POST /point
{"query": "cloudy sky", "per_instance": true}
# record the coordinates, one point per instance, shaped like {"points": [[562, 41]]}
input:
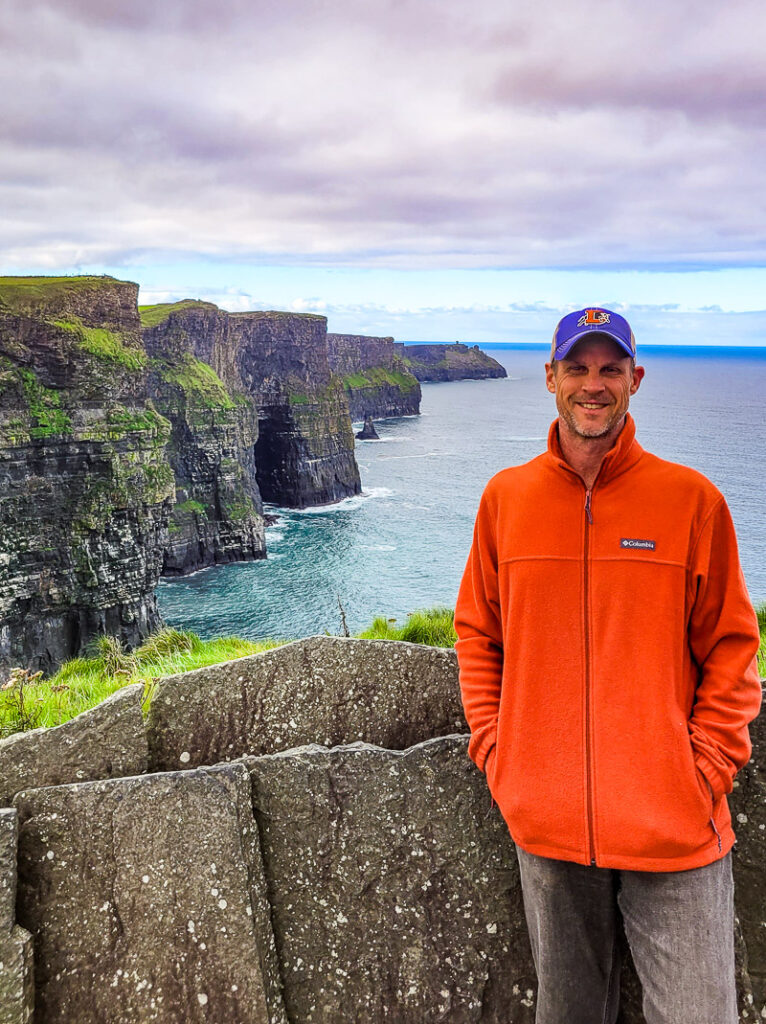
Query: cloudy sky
{"points": [[432, 170]]}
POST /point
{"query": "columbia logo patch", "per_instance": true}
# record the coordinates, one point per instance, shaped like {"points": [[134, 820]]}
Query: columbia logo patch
{"points": [[635, 542]]}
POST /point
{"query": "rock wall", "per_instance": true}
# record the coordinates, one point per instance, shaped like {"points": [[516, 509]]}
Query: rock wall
{"points": [[450, 362], [376, 378], [268, 404], [218, 513], [305, 450], [85, 483], [330, 882]]}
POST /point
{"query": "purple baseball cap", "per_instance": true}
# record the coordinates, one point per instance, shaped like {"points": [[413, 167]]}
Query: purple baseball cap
{"points": [[594, 320]]}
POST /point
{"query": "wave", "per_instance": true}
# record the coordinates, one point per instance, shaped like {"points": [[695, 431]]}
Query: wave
{"points": [[389, 440], [425, 455], [352, 502]]}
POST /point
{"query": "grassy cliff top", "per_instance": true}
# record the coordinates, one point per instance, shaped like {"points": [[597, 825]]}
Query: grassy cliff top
{"points": [[275, 314], [21, 292], [151, 316]]}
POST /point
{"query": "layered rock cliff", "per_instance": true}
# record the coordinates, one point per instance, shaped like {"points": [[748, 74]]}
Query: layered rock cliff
{"points": [[305, 450], [85, 486], [375, 376], [450, 362], [218, 513], [265, 378]]}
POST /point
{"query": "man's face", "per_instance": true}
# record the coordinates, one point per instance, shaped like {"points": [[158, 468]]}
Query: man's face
{"points": [[593, 385]]}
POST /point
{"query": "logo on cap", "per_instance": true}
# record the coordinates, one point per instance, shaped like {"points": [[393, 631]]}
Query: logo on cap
{"points": [[593, 317]]}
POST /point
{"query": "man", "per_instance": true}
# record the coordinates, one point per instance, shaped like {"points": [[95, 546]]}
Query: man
{"points": [[606, 646]]}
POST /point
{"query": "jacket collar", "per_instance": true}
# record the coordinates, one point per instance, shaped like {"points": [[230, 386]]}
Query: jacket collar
{"points": [[625, 453]]}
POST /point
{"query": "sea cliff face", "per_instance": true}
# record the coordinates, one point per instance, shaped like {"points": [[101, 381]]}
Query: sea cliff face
{"points": [[85, 484], [218, 513], [450, 362], [267, 379], [375, 376], [305, 450]]}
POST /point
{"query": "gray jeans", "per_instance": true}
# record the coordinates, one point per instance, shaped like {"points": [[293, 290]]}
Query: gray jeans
{"points": [[679, 925]]}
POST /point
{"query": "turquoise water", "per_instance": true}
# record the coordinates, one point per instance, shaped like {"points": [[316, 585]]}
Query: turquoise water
{"points": [[402, 544]]}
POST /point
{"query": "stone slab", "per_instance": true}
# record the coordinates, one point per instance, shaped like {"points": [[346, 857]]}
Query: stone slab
{"points": [[17, 994], [327, 690], [106, 742], [747, 803], [394, 886], [9, 834], [142, 898]]}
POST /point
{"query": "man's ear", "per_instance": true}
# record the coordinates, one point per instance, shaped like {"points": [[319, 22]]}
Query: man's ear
{"points": [[550, 378], [638, 376]]}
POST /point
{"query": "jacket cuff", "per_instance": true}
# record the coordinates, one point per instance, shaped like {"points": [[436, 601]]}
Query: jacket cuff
{"points": [[719, 784]]}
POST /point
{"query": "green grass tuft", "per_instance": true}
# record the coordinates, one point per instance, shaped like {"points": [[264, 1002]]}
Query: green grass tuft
{"points": [[105, 345], [431, 626], [199, 382], [82, 683]]}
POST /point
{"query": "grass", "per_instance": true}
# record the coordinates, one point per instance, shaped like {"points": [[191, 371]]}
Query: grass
{"points": [[28, 701], [45, 407], [376, 376], [82, 683], [199, 382], [431, 626], [103, 344], [152, 316], [22, 292]]}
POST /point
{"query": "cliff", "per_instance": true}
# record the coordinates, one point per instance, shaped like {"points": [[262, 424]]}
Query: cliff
{"points": [[218, 512], [375, 376], [305, 450], [86, 489], [450, 362], [133, 446], [262, 381]]}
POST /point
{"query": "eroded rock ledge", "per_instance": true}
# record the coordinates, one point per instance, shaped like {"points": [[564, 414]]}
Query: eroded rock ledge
{"points": [[342, 861]]}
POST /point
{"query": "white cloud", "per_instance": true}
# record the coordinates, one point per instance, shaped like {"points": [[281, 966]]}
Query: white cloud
{"points": [[407, 134]]}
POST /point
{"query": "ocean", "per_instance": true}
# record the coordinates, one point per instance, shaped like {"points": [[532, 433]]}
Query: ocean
{"points": [[402, 544]]}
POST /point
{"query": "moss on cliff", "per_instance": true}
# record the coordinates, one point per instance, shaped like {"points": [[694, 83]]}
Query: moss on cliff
{"points": [[47, 418], [152, 316], [377, 375], [104, 344], [199, 391]]}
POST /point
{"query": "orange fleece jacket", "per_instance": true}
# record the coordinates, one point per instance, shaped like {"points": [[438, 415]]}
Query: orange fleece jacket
{"points": [[606, 645]]}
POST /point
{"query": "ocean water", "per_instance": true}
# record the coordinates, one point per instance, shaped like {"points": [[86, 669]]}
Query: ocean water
{"points": [[402, 544]]}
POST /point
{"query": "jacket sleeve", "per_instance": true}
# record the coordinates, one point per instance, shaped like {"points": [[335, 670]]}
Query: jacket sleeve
{"points": [[480, 640], [724, 639]]}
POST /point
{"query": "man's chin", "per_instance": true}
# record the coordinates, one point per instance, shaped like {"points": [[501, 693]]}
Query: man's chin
{"points": [[591, 431]]}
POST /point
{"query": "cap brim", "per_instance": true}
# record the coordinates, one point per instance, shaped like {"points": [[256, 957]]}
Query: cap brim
{"points": [[566, 346]]}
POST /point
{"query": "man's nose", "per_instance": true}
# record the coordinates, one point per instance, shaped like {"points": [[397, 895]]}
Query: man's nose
{"points": [[593, 382]]}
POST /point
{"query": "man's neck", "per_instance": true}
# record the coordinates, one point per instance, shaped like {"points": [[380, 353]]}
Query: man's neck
{"points": [[585, 454]]}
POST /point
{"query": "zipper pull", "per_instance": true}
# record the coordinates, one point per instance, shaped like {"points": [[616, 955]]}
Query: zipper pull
{"points": [[587, 506]]}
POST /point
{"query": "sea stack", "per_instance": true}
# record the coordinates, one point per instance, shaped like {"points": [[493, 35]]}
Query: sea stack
{"points": [[368, 431]]}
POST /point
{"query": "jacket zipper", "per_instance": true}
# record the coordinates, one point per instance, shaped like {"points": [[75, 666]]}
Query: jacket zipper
{"points": [[586, 583]]}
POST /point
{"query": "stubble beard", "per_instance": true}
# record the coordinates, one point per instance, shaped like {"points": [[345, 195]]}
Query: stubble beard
{"points": [[611, 425]]}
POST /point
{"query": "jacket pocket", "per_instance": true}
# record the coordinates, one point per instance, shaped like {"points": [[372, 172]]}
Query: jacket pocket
{"points": [[489, 764], [705, 791]]}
